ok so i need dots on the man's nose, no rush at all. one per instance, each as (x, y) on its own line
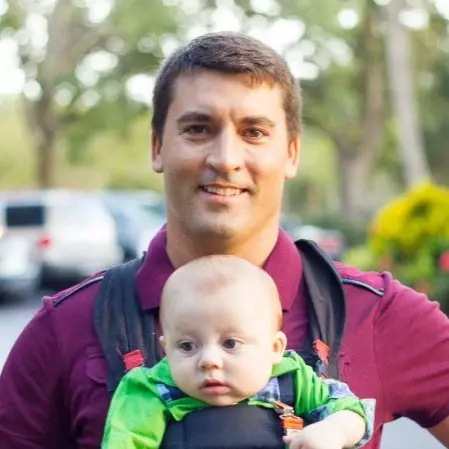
(227, 152)
(210, 358)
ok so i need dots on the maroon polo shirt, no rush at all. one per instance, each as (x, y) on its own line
(53, 391)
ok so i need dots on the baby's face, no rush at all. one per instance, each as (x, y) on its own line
(222, 351)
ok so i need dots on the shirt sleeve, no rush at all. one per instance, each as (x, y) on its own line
(412, 353)
(30, 387)
(137, 416)
(317, 398)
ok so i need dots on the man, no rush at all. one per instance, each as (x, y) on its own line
(226, 130)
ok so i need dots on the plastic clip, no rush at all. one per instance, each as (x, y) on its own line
(290, 422)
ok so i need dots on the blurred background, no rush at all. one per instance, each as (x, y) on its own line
(76, 79)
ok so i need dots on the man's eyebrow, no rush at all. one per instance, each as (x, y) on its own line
(193, 116)
(259, 120)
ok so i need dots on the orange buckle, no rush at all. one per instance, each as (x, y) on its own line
(322, 351)
(290, 422)
(133, 359)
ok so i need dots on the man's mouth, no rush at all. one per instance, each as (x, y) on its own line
(223, 191)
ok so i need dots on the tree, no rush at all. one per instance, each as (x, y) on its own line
(431, 62)
(347, 103)
(401, 77)
(346, 98)
(76, 80)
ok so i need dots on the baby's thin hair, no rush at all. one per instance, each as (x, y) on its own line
(211, 273)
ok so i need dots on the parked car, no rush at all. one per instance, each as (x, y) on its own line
(152, 202)
(135, 225)
(20, 268)
(330, 240)
(73, 232)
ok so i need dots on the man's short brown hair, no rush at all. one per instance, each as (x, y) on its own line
(231, 53)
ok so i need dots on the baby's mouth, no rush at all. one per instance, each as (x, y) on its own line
(209, 383)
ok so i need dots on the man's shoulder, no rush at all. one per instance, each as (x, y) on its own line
(372, 282)
(382, 291)
(82, 292)
(71, 315)
(72, 309)
(380, 286)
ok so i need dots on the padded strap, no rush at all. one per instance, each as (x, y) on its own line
(327, 302)
(120, 323)
(287, 389)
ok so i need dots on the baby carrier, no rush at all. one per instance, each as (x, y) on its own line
(128, 338)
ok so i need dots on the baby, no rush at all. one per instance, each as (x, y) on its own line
(221, 319)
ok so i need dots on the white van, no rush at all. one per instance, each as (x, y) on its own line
(74, 234)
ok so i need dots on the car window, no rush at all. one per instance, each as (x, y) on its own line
(24, 215)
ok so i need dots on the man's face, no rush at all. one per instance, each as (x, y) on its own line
(225, 155)
(221, 349)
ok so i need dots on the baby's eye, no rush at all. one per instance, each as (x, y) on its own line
(186, 346)
(231, 343)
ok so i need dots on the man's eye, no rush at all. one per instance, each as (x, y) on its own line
(255, 133)
(231, 343)
(196, 129)
(186, 346)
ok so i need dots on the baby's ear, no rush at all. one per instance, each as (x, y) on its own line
(162, 342)
(279, 345)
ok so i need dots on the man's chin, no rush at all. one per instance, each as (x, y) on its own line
(219, 230)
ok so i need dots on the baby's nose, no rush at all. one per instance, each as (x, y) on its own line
(210, 359)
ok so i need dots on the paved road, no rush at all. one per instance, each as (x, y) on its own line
(402, 434)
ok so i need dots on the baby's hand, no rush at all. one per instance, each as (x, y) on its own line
(320, 435)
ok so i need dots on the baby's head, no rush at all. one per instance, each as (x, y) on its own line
(221, 320)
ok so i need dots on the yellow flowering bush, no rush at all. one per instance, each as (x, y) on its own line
(410, 237)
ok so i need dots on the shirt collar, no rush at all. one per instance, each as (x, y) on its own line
(283, 265)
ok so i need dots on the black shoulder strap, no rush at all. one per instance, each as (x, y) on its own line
(287, 389)
(120, 324)
(327, 303)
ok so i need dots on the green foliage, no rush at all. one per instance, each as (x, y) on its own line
(16, 155)
(109, 161)
(361, 257)
(417, 219)
(410, 237)
(134, 179)
(85, 72)
(130, 24)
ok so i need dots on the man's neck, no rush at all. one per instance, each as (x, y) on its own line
(182, 248)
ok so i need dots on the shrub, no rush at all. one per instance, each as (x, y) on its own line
(410, 238)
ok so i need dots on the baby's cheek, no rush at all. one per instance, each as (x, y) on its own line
(256, 375)
(181, 370)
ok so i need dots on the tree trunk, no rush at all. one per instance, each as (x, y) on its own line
(45, 150)
(68, 41)
(356, 157)
(354, 172)
(400, 73)
(357, 140)
(43, 125)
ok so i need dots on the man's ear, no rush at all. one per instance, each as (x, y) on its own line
(279, 345)
(293, 158)
(162, 342)
(156, 147)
